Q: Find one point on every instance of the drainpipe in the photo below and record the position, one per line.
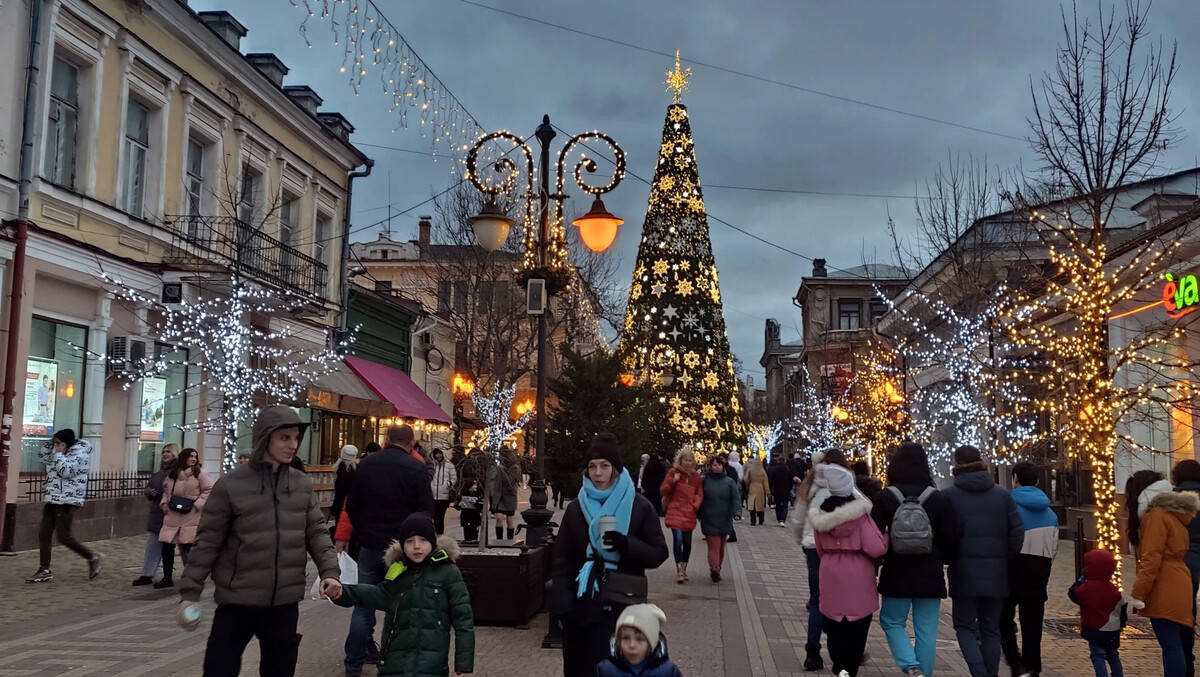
(17, 283)
(343, 279)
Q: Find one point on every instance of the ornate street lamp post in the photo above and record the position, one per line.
(545, 251)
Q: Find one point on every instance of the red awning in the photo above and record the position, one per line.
(394, 386)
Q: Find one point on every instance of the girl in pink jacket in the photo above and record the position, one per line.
(848, 541)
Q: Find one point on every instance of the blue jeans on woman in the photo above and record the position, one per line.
(893, 613)
(1103, 657)
(682, 544)
(815, 619)
(1171, 637)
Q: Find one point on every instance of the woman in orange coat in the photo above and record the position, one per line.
(682, 492)
(1162, 589)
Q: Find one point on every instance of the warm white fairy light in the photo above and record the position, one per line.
(495, 412)
(761, 438)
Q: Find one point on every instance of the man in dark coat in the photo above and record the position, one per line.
(988, 537)
(782, 479)
(652, 478)
(388, 486)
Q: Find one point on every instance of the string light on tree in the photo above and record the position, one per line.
(762, 438)
(495, 412)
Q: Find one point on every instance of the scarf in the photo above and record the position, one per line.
(617, 501)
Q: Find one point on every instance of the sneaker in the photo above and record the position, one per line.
(915, 672)
(783, 524)
(142, 580)
(94, 567)
(843, 673)
(373, 655)
(42, 575)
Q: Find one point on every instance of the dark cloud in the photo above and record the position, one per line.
(969, 63)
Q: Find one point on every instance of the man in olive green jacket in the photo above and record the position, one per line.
(259, 527)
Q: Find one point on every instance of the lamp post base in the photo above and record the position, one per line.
(537, 517)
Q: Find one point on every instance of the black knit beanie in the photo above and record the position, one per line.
(418, 524)
(605, 447)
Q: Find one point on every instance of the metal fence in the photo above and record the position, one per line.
(99, 485)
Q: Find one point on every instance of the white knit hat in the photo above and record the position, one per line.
(838, 480)
(349, 452)
(647, 618)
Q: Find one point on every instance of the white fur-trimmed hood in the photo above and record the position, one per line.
(848, 512)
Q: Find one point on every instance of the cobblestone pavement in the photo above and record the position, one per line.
(751, 624)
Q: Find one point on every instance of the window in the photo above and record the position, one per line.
(248, 200)
(62, 124)
(383, 285)
(383, 253)
(460, 297)
(54, 386)
(194, 184)
(322, 238)
(849, 314)
(289, 218)
(878, 309)
(443, 296)
(137, 148)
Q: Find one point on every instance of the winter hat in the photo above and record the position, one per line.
(838, 480)
(66, 436)
(817, 457)
(349, 453)
(646, 618)
(418, 524)
(604, 447)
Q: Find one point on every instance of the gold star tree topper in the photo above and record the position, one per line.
(677, 80)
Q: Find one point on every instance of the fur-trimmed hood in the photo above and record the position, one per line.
(395, 551)
(1184, 504)
(843, 514)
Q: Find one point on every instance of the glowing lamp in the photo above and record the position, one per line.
(598, 228)
(70, 389)
(627, 379)
(491, 226)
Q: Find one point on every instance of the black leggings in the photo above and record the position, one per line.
(847, 642)
(168, 557)
(58, 518)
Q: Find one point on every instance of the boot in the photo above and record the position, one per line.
(685, 576)
(499, 532)
(679, 575)
(512, 534)
(753, 518)
(812, 658)
(715, 574)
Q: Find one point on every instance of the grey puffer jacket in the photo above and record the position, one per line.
(259, 527)
(67, 473)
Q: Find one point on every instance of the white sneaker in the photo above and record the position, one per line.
(783, 524)
(843, 673)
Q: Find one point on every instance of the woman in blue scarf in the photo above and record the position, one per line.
(582, 553)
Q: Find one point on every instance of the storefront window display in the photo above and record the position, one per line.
(53, 386)
(160, 414)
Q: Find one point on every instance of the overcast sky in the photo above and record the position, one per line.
(966, 63)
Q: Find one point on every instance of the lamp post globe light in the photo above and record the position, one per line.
(544, 247)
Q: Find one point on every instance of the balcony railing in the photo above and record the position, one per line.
(229, 242)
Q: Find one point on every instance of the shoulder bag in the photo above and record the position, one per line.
(179, 504)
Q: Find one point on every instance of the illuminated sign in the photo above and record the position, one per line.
(1181, 294)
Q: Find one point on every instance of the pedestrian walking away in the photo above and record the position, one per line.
(186, 490)
(848, 542)
(783, 479)
(154, 520)
(610, 535)
(1030, 574)
(721, 502)
(425, 598)
(988, 536)
(1163, 580)
(920, 524)
(67, 460)
(758, 487)
(683, 492)
(388, 486)
(260, 525)
(639, 646)
(442, 486)
(1102, 611)
(343, 475)
(652, 478)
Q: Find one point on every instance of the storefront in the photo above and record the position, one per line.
(54, 386)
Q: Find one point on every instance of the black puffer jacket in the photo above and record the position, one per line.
(782, 479)
(988, 535)
(387, 487)
(1192, 558)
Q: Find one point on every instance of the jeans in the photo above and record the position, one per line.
(716, 551)
(847, 643)
(153, 556)
(1171, 637)
(1028, 657)
(815, 619)
(781, 511)
(893, 613)
(439, 516)
(58, 518)
(1103, 658)
(977, 624)
(232, 628)
(371, 570)
(682, 542)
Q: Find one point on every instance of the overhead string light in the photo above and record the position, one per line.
(374, 48)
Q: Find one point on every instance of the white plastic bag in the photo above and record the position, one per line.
(349, 567)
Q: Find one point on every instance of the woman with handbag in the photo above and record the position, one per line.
(610, 535)
(682, 494)
(185, 491)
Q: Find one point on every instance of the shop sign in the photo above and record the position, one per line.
(1180, 294)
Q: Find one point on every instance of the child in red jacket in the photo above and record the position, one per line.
(1102, 611)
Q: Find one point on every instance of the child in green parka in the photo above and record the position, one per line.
(424, 596)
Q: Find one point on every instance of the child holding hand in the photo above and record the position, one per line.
(638, 646)
(424, 596)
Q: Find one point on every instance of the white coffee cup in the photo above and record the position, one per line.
(607, 523)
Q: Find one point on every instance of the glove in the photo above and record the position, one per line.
(1137, 604)
(616, 541)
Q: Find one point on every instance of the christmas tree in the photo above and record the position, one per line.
(674, 333)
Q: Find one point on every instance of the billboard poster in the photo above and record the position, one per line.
(41, 379)
(154, 397)
(835, 378)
